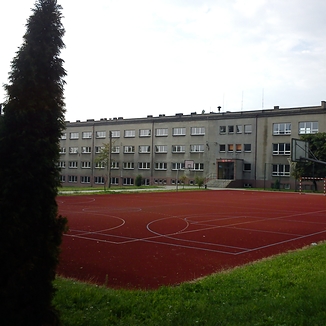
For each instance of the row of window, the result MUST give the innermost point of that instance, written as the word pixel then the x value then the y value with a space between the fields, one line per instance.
pixel 238 129
pixel 309 127
pixel 131 133
pixel 130 165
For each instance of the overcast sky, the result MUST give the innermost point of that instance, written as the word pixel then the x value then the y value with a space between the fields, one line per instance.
pixel 128 58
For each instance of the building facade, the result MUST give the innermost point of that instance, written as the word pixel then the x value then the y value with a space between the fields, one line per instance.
pixel 228 149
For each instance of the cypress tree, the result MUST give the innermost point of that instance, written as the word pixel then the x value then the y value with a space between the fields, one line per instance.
pixel 30 129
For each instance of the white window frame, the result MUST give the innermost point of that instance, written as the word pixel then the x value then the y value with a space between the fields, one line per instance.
pixel 99 180
pixel 74 135
pixel 144 165
pixel 99 165
pixel 115 133
pixel 100 134
pixel 62 164
pixel 115 165
pixel 178 166
pixel 85 164
pixel 98 149
pixel 161 132
pixel 86 149
pixel 129 149
pixel 248 129
pixel 85 179
pixel 86 135
pixel 115 150
pixel 130 133
pixel 198 167
pixel 63 136
pixel 72 178
pixel 198 148
pixel 73 150
pixel 280 170
pixel 161 166
pixel 178 131
pixel 178 148
pixel 144 149
pixel 308 127
pixel 283 128
pixel 62 150
pixel 281 149
pixel 161 148
pixel 128 165
pixel 144 132
pixel 197 131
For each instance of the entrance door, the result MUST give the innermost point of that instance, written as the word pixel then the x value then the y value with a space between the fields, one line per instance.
pixel 225 170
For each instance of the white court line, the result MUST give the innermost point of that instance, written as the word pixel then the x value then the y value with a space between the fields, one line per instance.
pixel 182 231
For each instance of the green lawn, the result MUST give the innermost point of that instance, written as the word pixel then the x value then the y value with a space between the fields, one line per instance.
pixel 288 289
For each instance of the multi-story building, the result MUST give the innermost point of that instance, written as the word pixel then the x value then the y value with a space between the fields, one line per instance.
pixel 235 149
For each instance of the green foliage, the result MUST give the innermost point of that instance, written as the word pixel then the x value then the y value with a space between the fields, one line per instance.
pixel 199 181
pixel 183 179
pixel 288 289
pixel 138 180
pixel 317 145
pixel 30 129
pixel 104 157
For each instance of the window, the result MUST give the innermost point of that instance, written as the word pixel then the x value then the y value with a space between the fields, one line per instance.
pixel 99 165
pixel 230 147
pixel 62 164
pixel 86 149
pixel 128 181
pixel 308 128
pixel 161 166
pixel 144 149
pixel 73 165
pixel 197 148
pixel 62 150
pixel 85 165
pixel 74 135
pixel 247 167
pixel 72 178
pixel 178 166
pixel 238 148
pixel 144 132
pixel 128 165
pixel 281 128
pixel 281 170
pixel 231 129
pixel 247 148
pixel 85 179
pixel 161 132
pixel 178 148
pixel 100 134
pixel 247 129
pixel 281 149
pixel 199 167
pixel 73 150
pixel 115 150
pixel 114 181
pixel 161 149
pixel 222 147
pixel 238 129
pixel 62 178
pixel 114 165
pixel 129 133
pixel 115 133
pixel 222 129
pixel 197 131
pixel 98 149
pixel 179 131
pixel 144 165
pixel 63 136
pixel 99 180
pixel 86 134
pixel 129 149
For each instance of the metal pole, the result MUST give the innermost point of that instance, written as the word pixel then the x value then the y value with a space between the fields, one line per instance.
pixel 110 151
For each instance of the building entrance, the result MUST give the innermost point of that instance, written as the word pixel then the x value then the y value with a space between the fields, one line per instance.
pixel 225 170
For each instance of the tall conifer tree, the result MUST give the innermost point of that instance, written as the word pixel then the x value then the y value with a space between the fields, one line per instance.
pixel 30 129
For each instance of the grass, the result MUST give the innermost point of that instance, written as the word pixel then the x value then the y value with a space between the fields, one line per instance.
pixel 288 289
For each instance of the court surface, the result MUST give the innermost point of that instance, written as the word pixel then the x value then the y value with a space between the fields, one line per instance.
pixel 147 240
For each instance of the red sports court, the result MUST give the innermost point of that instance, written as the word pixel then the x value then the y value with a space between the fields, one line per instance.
pixel 146 240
